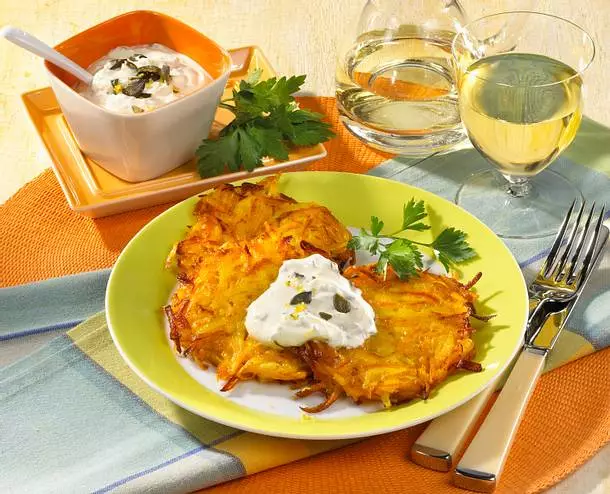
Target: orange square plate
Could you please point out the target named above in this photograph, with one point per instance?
(92, 191)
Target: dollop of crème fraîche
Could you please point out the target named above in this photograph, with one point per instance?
(310, 300)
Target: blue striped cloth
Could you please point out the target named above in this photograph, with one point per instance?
(74, 418)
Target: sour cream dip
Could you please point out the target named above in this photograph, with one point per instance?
(141, 78)
(310, 300)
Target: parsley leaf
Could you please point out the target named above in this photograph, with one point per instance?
(214, 156)
(248, 150)
(267, 123)
(402, 254)
(270, 141)
(404, 257)
(310, 132)
(376, 225)
(364, 241)
(452, 247)
(413, 212)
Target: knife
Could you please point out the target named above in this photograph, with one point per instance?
(482, 463)
(439, 446)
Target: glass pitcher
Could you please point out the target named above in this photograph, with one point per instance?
(394, 81)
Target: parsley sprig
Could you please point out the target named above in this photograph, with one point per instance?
(267, 123)
(450, 246)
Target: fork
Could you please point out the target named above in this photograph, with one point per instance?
(579, 242)
(560, 280)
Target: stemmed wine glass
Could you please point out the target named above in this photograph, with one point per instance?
(520, 87)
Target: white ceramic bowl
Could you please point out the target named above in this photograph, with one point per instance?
(141, 146)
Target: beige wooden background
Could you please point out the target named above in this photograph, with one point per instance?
(298, 36)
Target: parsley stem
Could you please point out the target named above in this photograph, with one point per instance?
(394, 237)
(421, 243)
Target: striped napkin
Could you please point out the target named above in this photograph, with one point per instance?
(76, 419)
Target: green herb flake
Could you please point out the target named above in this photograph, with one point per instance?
(325, 315)
(117, 87)
(136, 109)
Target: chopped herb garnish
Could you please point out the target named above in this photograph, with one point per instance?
(135, 87)
(149, 72)
(325, 315)
(136, 109)
(301, 298)
(341, 304)
(450, 246)
(117, 87)
(136, 56)
(116, 63)
(299, 276)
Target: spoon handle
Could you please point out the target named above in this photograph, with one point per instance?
(34, 45)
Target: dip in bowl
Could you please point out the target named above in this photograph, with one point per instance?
(158, 135)
(135, 79)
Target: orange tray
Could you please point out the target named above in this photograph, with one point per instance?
(92, 191)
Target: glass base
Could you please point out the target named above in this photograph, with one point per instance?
(537, 214)
(415, 145)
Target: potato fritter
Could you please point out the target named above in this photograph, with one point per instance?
(423, 334)
(233, 252)
(228, 259)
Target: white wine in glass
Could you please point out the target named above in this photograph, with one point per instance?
(520, 87)
(521, 110)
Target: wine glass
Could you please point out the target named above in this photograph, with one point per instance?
(395, 84)
(520, 86)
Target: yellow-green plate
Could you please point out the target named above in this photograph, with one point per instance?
(139, 286)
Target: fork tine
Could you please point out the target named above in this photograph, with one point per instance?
(548, 263)
(557, 268)
(570, 267)
(589, 254)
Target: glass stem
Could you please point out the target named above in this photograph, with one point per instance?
(517, 186)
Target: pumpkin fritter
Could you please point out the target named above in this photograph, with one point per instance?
(233, 252)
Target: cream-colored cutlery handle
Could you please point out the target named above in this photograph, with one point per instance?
(482, 463)
(437, 446)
